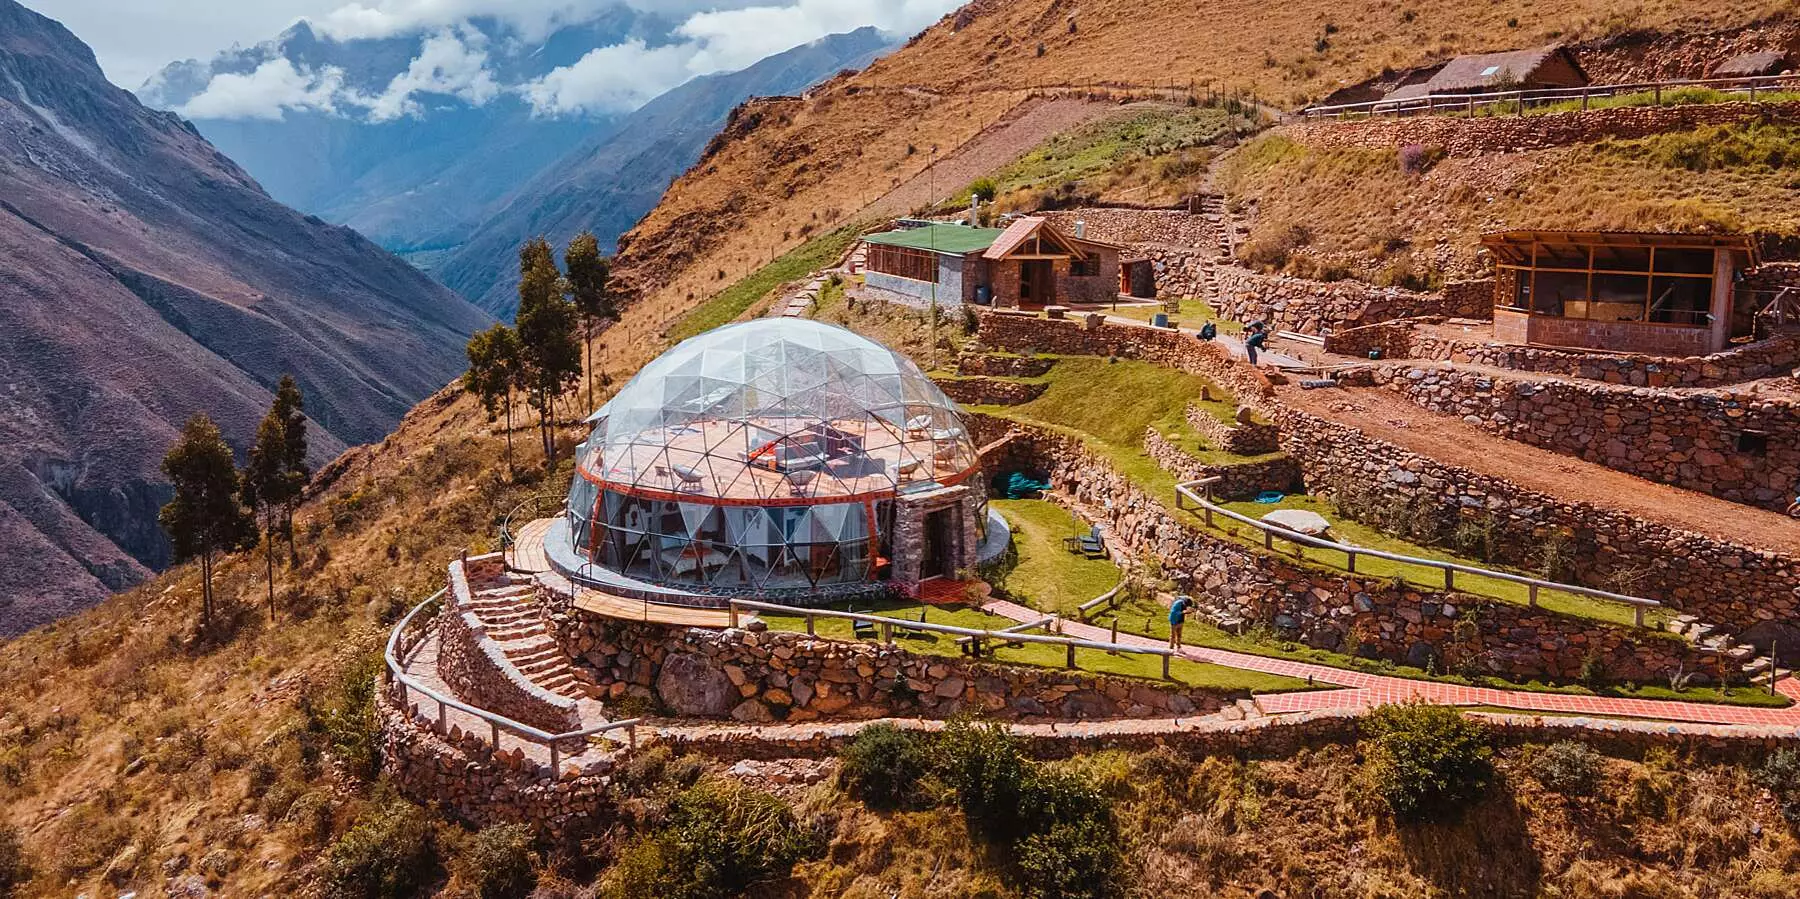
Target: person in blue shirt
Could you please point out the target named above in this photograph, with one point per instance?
(1255, 341)
(1208, 331)
(1177, 617)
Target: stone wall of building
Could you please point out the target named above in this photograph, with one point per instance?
(1755, 593)
(475, 666)
(1691, 439)
(1241, 438)
(985, 391)
(1305, 306)
(1461, 136)
(1136, 227)
(760, 677)
(1324, 609)
(1280, 474)
(1029, 334)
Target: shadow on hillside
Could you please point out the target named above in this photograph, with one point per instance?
(1487, 854)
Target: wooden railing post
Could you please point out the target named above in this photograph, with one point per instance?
(809, 625)
(1071, 648)
(1166, 659)
(494, 733)
(734, 614)
(1449, 579)
(1659, 93)
(1639, 616)
(1584, 99)
(887, 633)
(1531, 596)
(1352, 558)
(555, 761)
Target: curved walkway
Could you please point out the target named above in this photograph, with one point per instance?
(1370, 690)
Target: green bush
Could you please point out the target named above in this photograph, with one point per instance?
(1427, 762)
(1569, 767)
(718, 838)
(1070, 849)
(1780, 775)
(882, 766)
(13, 869)
(984, 765)
(347, 721)
(499, 863)
(391, 851)
(984, 189)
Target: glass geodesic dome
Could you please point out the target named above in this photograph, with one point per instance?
(762, 455)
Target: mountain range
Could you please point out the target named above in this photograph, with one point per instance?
(148, 277)
(433, 145)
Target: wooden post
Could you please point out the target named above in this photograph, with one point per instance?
(1166, 659)
(1449, 579)
(555, 761)
(1774, 662)
(494, 733)
(1659, 93)
(887, 633)
(1471, 105)
(1638, 614)
(809, 626)
(734, 617)
(1268, 539)
(1071, 655)
(1352, 557)
(441, 712)
(1115, 631)
(1209, 521)
(631, 735)
(1531, 596)
(1584, 99)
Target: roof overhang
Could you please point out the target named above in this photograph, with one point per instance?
(1514, 247)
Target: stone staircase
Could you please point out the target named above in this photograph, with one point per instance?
(507, 607)
(1715, 638)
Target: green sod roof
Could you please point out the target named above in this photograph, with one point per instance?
(957, 239)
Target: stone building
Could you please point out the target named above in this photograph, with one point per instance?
(1029, 264)
(1542, 68)
(784, 460)
(1627, 292)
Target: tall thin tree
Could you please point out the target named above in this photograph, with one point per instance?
(590, 287)
(549, 351)
(290, 407)
(493, 372)
(204, 518)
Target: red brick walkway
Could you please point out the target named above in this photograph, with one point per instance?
(1369, 690)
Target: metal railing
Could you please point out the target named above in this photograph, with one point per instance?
(524, 513)
(1468, 103)
(401, 643)
(1272, 532)
(977, 637)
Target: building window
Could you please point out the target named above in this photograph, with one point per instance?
(1754, 443)
(1088, 267)
(903, 262)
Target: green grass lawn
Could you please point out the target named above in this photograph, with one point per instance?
(1193, 312)
(1047, 576)
(725, 306)
(1149, 667)
(1105, 146)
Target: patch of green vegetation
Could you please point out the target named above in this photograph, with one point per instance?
(1041, 655)
(1745, 146)
(1192, 312)
(1680, 96)
(725, 306)
(1107, 146)
(1047, 576)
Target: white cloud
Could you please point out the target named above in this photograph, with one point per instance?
(452, 62)
(274, 87)
(387, 18)
(716, 38)
(611, 79)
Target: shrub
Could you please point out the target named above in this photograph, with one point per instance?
(1427, 762)
(1780, 775)
(984, 189)
(1569, 767)
(499, 862)
(1594, 675)
(1272, 251)
(347, 718)
(983, 764)
(1070, 849)
(13, 869)
(882, 766)
(718, 838)
(391, 851)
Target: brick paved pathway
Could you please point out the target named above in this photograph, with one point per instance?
(1368, 690)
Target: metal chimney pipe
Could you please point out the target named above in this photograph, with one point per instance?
(1080, 229)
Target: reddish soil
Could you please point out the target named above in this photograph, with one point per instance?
(1448, 440)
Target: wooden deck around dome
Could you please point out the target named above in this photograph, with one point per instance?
(527, 551)
(529, 556)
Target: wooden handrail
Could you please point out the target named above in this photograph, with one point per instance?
(1464, 102)
(1271, 532)
(397, 675)
(888, 626)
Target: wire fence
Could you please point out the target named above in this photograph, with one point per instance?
(1652, 93)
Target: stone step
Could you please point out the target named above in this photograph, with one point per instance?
(506, 615)
(1757, 667)
(1743, 652)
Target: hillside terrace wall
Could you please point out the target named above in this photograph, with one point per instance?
(1029, 334)
(1244, 438)
(1687, 438)
(759, 677)
(1280, 474)
(1756, 593)
(985, 391)
(1461, 136)
(1403, 340)
(1002, 365)
(1322, 609)
(1139, 228)
(474, 666)
(1305, 306)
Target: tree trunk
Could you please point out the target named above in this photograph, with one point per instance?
(206, 591)
(509, 430)
(269, 555)
(587, 349)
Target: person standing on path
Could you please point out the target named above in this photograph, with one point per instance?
(1177, 617)
(1258, 337)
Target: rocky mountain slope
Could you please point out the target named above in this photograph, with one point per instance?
(145, 277)
(411, 171)
(616, 176)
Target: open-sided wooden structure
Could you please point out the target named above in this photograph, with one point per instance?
(1661, 294)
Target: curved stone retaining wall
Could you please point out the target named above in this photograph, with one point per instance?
(475, 666)
(1003, 365)
(985, 391)
(1482, 135)
(1249, 479)
(1688, 439)
(1754, 592)
(759, 677)
(1244, 438)
(1319, 608)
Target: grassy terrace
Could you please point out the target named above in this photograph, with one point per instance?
(1193, 312)
(1149, 667)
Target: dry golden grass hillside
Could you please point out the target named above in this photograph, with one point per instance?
(792, 168)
